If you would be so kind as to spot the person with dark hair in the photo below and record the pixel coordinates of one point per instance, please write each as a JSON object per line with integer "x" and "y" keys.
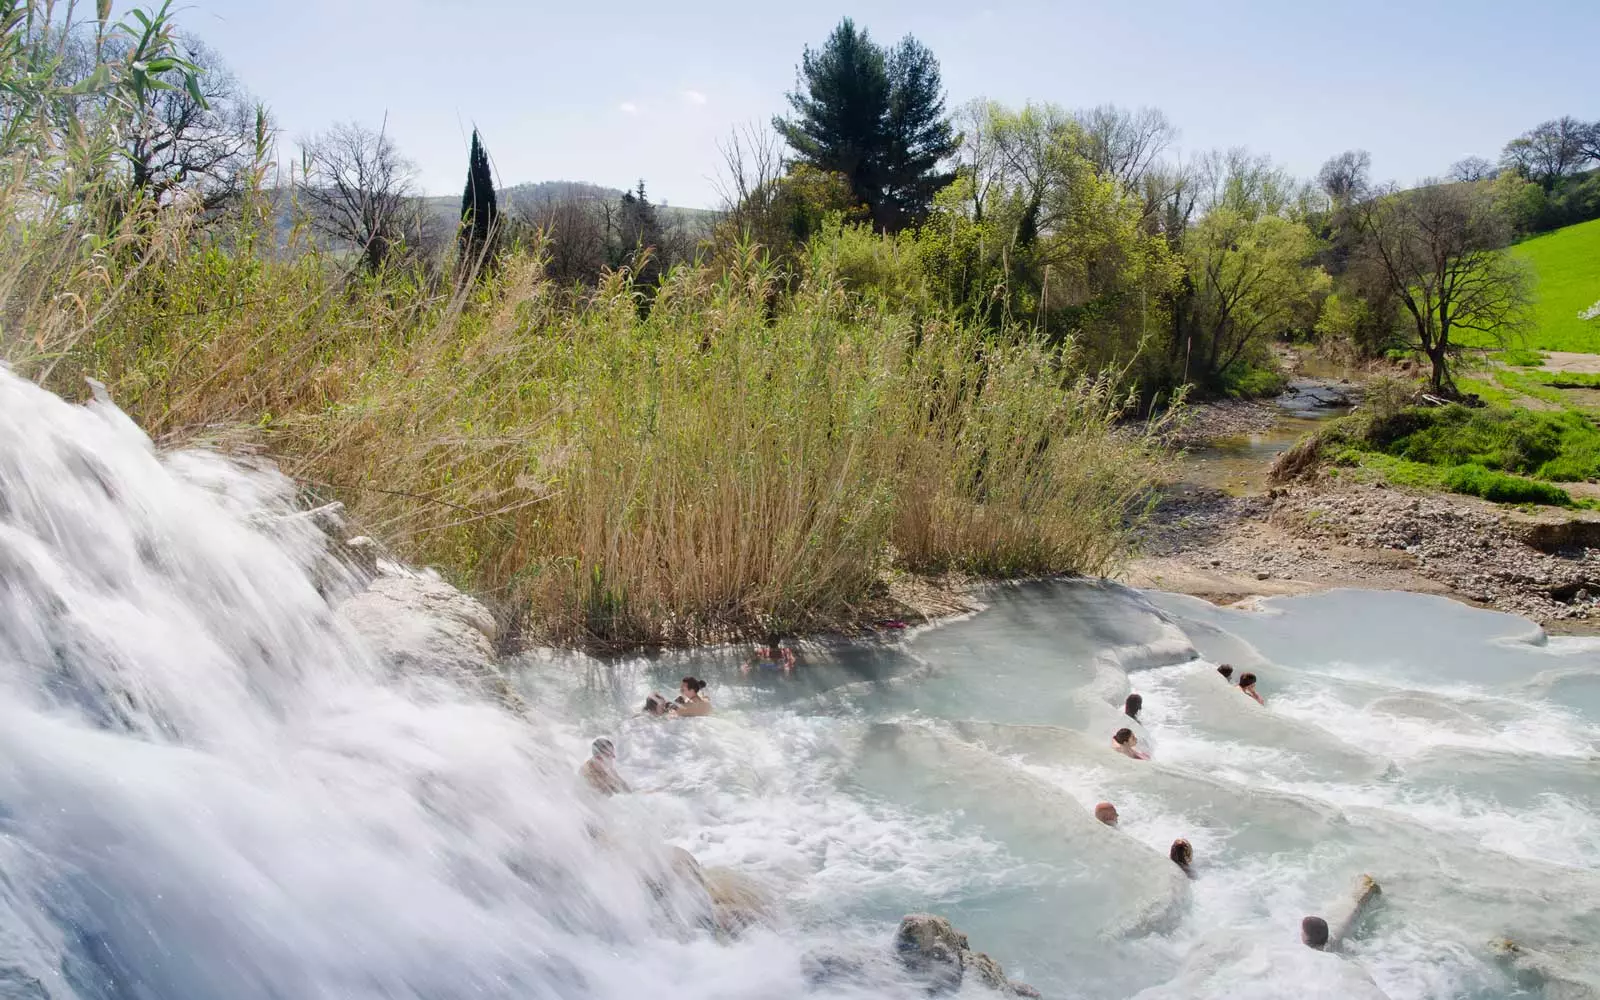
{"x": 1182, "y": 855}
{"x": 657, "y": 706}
{"x": 773, "y": 656}
{"x": 1133, "y": 706}
{"x": 692, "y": 700}
{"x": 1106, "y": 813}
{"x": 1314, "y": 933}
{"x": 600, "y": 770}
{"x": 1127, "y": 744}
{"x": 1247, "y": 684}
{"x": 1226, "y": 670}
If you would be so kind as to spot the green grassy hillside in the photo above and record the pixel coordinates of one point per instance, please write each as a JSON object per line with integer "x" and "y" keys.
{"x": 1567, "y": 263}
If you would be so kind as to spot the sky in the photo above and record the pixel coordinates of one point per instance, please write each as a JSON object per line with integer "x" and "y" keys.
{"x": 617, "y": 92}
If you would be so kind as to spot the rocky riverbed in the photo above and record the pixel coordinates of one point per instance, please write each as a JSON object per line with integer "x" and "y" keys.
{"x": 1544, "y": 565}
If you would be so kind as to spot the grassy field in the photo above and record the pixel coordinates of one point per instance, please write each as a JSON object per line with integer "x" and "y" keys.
{"x": 1567, "y": 263}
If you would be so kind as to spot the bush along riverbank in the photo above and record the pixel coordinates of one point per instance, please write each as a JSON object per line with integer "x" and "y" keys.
{"x": 1498, "y": 453}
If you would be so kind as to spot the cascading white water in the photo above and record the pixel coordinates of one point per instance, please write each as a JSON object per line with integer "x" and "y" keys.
{"x": 210, "y": 788}
{"x": 210, "y": 785}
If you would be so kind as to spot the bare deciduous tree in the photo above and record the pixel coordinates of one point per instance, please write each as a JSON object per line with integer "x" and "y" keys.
{"x": 572, "y": 228}
{"x": 1548, "y": 151}
{"x": 359, "y": 189}
{"x": 177, "y": 143}
{"x": 1441, "y": 250}
{"x": 1471, "y": 169}
{"x": 753, "y": 164}
{"x": 1344, "y": 178}
{"x": 1125, "y": 144}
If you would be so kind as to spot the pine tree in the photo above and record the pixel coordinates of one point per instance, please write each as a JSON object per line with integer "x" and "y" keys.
{"x": 840, "y": 108}
{"x": 875, "y": 117}
{"x": 479, "y": 213}
{"x": 919, "y": 134}
{"x": 639, "y": 237}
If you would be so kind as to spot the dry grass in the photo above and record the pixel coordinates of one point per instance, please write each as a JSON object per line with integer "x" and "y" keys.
{"x": 733, "y": 460}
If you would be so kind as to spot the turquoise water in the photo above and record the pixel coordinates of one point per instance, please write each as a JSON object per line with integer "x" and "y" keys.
{"x": 1449, "y": 752}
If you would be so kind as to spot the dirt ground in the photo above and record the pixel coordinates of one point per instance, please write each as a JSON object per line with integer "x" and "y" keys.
{"x": 1331, "y": 532}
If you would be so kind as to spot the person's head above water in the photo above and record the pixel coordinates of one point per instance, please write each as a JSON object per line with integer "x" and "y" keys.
{"x": 1106, "y": 813}
{"x": 1124, "y": 737}
{"x": 1247, "y": 680}
{"x": 657, "y": 705}
{"x": 691, "y": 686}
{"x": 1226, "y": 670}
{"x": 1314, "y": 933}
{"x": 604, "y": 748}
{"x": 1181, "y": 853}
{"x": 1132, "y": 706}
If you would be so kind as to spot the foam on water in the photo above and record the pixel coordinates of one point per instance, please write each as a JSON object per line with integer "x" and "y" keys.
{"x": 209, "y": 786}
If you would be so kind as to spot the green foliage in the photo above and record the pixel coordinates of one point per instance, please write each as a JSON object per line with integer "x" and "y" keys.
{"x": 875, "y": 116}
{"x": 1521, "y": 357}
{"x": 1566, "y": 380}
{"x": 1475, "y": 480}
{"x": 1247, "y": 381}
{"x": 1253, "y": 279}
{"x": 1502, "y": 453}
{"x": 1566, "y": 281}
{"x": 479, "y": 212}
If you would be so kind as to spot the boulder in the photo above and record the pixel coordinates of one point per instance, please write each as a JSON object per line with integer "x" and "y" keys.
{"x": 932, "y": 951}
{"x": 1557, "y": 972}
{"x": 416, "y": 622}
{"x": 939, "y": 957}
{"x": 738, "y": 901}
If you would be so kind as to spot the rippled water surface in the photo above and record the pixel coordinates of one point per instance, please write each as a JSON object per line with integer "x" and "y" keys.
{"x": 209, "y": 787}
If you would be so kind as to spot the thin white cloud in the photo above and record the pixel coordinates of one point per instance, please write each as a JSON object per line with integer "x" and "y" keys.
{"x": 628, "y": 108}
{"x": 694, "y": 97}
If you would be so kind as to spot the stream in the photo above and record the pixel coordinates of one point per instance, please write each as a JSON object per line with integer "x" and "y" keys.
{"x": 212, "y": 786}
{"x": 1239, "y": 463}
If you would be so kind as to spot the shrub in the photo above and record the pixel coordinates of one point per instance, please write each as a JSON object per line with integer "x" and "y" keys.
{"x": 1475, "y": 480}
{"x": 1521, "y": 357}
{"x": 1248, "y": 381}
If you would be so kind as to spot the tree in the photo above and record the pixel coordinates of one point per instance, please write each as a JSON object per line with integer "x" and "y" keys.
{"x": 358, "y": 187}
{"x": 480, "y": 215}
{"x": 775, "y": 204}
{"x": 1440, "y": 249}
{"x": 1590, "y": 141}
{"x": 1344, "y": 178}
{"x": 1125, "y": 144}
{"x": 1473, "y": 169}
{"x": 572, "y": 234}
{"x": 920, "y": 136}
{"x": 1252, "y": 278}
{"x": 875, "y": 117}
{"x": 639, "y": 232}
{"x": 203, "y": 139}
{"x": 1548, "y": 152}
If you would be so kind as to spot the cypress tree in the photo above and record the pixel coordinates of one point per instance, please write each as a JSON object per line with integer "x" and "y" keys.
{"x": 876, "y": 117}
{"x": 479, "y": 213}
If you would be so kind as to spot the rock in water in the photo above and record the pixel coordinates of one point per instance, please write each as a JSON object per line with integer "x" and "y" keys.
{"x": 932, "y": 951}
{"x": 738, "y": 901}
{"x": 938, "y": 955}
{"x": 417, "y": 622}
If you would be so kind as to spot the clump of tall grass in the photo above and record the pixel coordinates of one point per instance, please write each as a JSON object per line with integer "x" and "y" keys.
{"x": 714, "y": 466}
